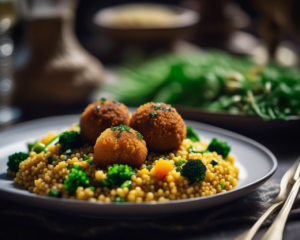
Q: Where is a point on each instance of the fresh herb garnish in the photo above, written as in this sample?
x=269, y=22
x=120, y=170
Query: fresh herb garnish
x=120, y=128
x=153, y=114
x=139, y=135
x=113, y=128
x=157, y=107
x=127, y=128
x=222, y=185
x=167, y=109
x=103, y=99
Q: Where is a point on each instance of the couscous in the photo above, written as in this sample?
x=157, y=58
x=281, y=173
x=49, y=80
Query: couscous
x=65, y=166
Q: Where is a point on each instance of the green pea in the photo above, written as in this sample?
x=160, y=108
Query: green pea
x=76, y=165
x=180, y=162
x=127, y=184
x=92, y=188
x=178, y=169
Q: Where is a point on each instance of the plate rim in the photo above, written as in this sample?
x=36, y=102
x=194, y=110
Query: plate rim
x=188, y=122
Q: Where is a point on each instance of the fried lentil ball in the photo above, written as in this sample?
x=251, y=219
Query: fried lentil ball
x=120, y=147
x=101, y=115
x=160, y=124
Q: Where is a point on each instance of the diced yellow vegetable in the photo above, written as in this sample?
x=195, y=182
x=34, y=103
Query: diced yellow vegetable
x=144, y=172
x=48, y=138
x=161, y=169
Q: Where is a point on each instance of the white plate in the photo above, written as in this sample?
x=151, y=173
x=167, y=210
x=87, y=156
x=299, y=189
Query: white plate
x=257, y=164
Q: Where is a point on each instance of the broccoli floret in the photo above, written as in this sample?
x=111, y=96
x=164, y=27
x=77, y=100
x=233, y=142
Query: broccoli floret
x=75, y=179
x=119, y=173
x=219, y=147
x=14, y=161
x=191, y=134
x=68, y=140
x=194, y=170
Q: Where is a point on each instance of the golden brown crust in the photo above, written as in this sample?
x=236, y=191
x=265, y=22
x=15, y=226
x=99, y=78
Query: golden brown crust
x=127, y=149
x=100, y=115
x=163, y=132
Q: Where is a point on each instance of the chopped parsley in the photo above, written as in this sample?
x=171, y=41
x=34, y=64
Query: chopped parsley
x=113, y=128
x=222, y=185
x=127, y=128
x=153, y=114
x=120, y=128
x=139, y=135
x=103, y=99
x=164, y=109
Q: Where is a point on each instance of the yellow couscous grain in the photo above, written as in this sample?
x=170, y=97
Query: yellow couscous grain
x=39, y=176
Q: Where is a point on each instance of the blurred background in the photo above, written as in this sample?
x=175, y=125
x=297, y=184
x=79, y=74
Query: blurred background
x=229, y=63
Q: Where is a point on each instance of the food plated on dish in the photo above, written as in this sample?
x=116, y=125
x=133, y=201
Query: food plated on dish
x=113, y=156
